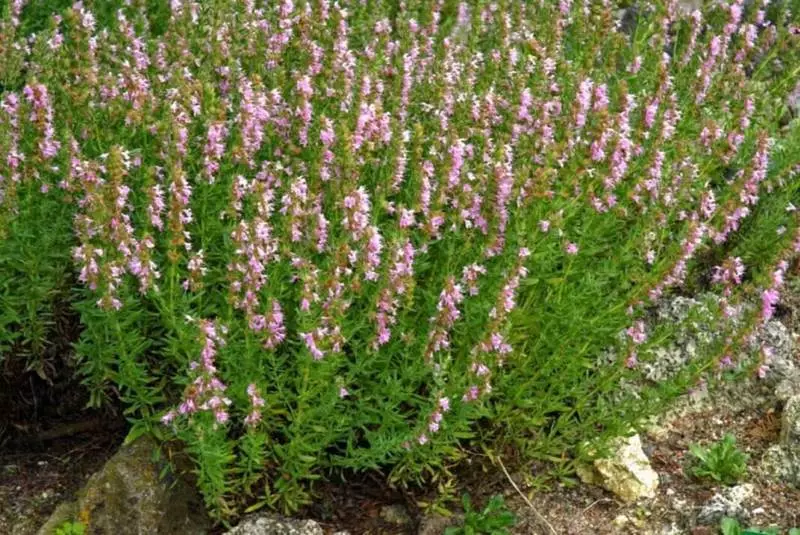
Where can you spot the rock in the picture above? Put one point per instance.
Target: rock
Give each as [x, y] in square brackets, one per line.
[626, 473]
[780, 361]
[65, 512]
[395, 514]
[793, 100]
[781, 464]
[127, 497]
[730, 501]
[620, 521]
[687, 7]
[623, 521]
[436, 524]
[270, 524]
[788, 387]
[790, 424]
[671, 529]
[627, 19]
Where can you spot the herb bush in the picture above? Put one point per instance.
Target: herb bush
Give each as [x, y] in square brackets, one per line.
[314, 237]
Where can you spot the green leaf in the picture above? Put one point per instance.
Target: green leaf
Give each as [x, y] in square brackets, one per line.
[730, 526]
[139, 429]
[256, 506]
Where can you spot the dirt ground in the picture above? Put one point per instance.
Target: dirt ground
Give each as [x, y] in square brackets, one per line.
[34, 482]
[680, 497]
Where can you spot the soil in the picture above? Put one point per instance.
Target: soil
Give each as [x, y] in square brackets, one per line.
[680, 497]
[33, 483]
[48, 459]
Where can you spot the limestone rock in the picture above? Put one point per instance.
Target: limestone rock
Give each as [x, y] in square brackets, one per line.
[788, 387]
[781, 362]
[793, 100]
[127, 497]
[270, 524]
[626, 473]
[437, 524]
[790, 424]
[729, 501]
[395, 514]
[687, 7]
[781, 464]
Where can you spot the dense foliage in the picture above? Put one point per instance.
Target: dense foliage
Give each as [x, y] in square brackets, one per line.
[307, 236]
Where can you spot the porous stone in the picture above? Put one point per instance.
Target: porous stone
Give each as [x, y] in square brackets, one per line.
[729, 501]
[437, 524]
[788, 387]
[793, 100]
[269, 524]
[780, 360]
[781, 464]
[127, 497]
[790, 424]
[697, 331]
[626, 472]
[395, 514]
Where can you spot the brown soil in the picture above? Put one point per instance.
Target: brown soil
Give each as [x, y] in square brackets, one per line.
[587, 510]
[34, 482]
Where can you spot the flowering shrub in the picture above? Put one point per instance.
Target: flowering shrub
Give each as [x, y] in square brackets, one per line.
[324, 236]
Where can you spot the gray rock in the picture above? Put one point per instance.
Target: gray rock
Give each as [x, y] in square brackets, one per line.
[269, 524]
[793, 100]
[788, 387]
[127, 497]
[781, 363]
[729, 501]
[687, 7]
[790, 424]
[436, 524]
[395, 514]
[697, 332]
[781, 464]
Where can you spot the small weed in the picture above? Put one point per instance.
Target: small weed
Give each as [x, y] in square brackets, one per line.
[731, 526]
[493, 520]
[71, 528]
[723, 461]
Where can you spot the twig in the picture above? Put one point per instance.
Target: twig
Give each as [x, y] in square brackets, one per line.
[601, 500]
[527, 501]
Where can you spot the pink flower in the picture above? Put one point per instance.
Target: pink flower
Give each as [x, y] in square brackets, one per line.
[762, 371]
[169, 417]
[769, 300]
[571, 248]
[471, 394]
[311, 344]
[470, 276]
[637, 332]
